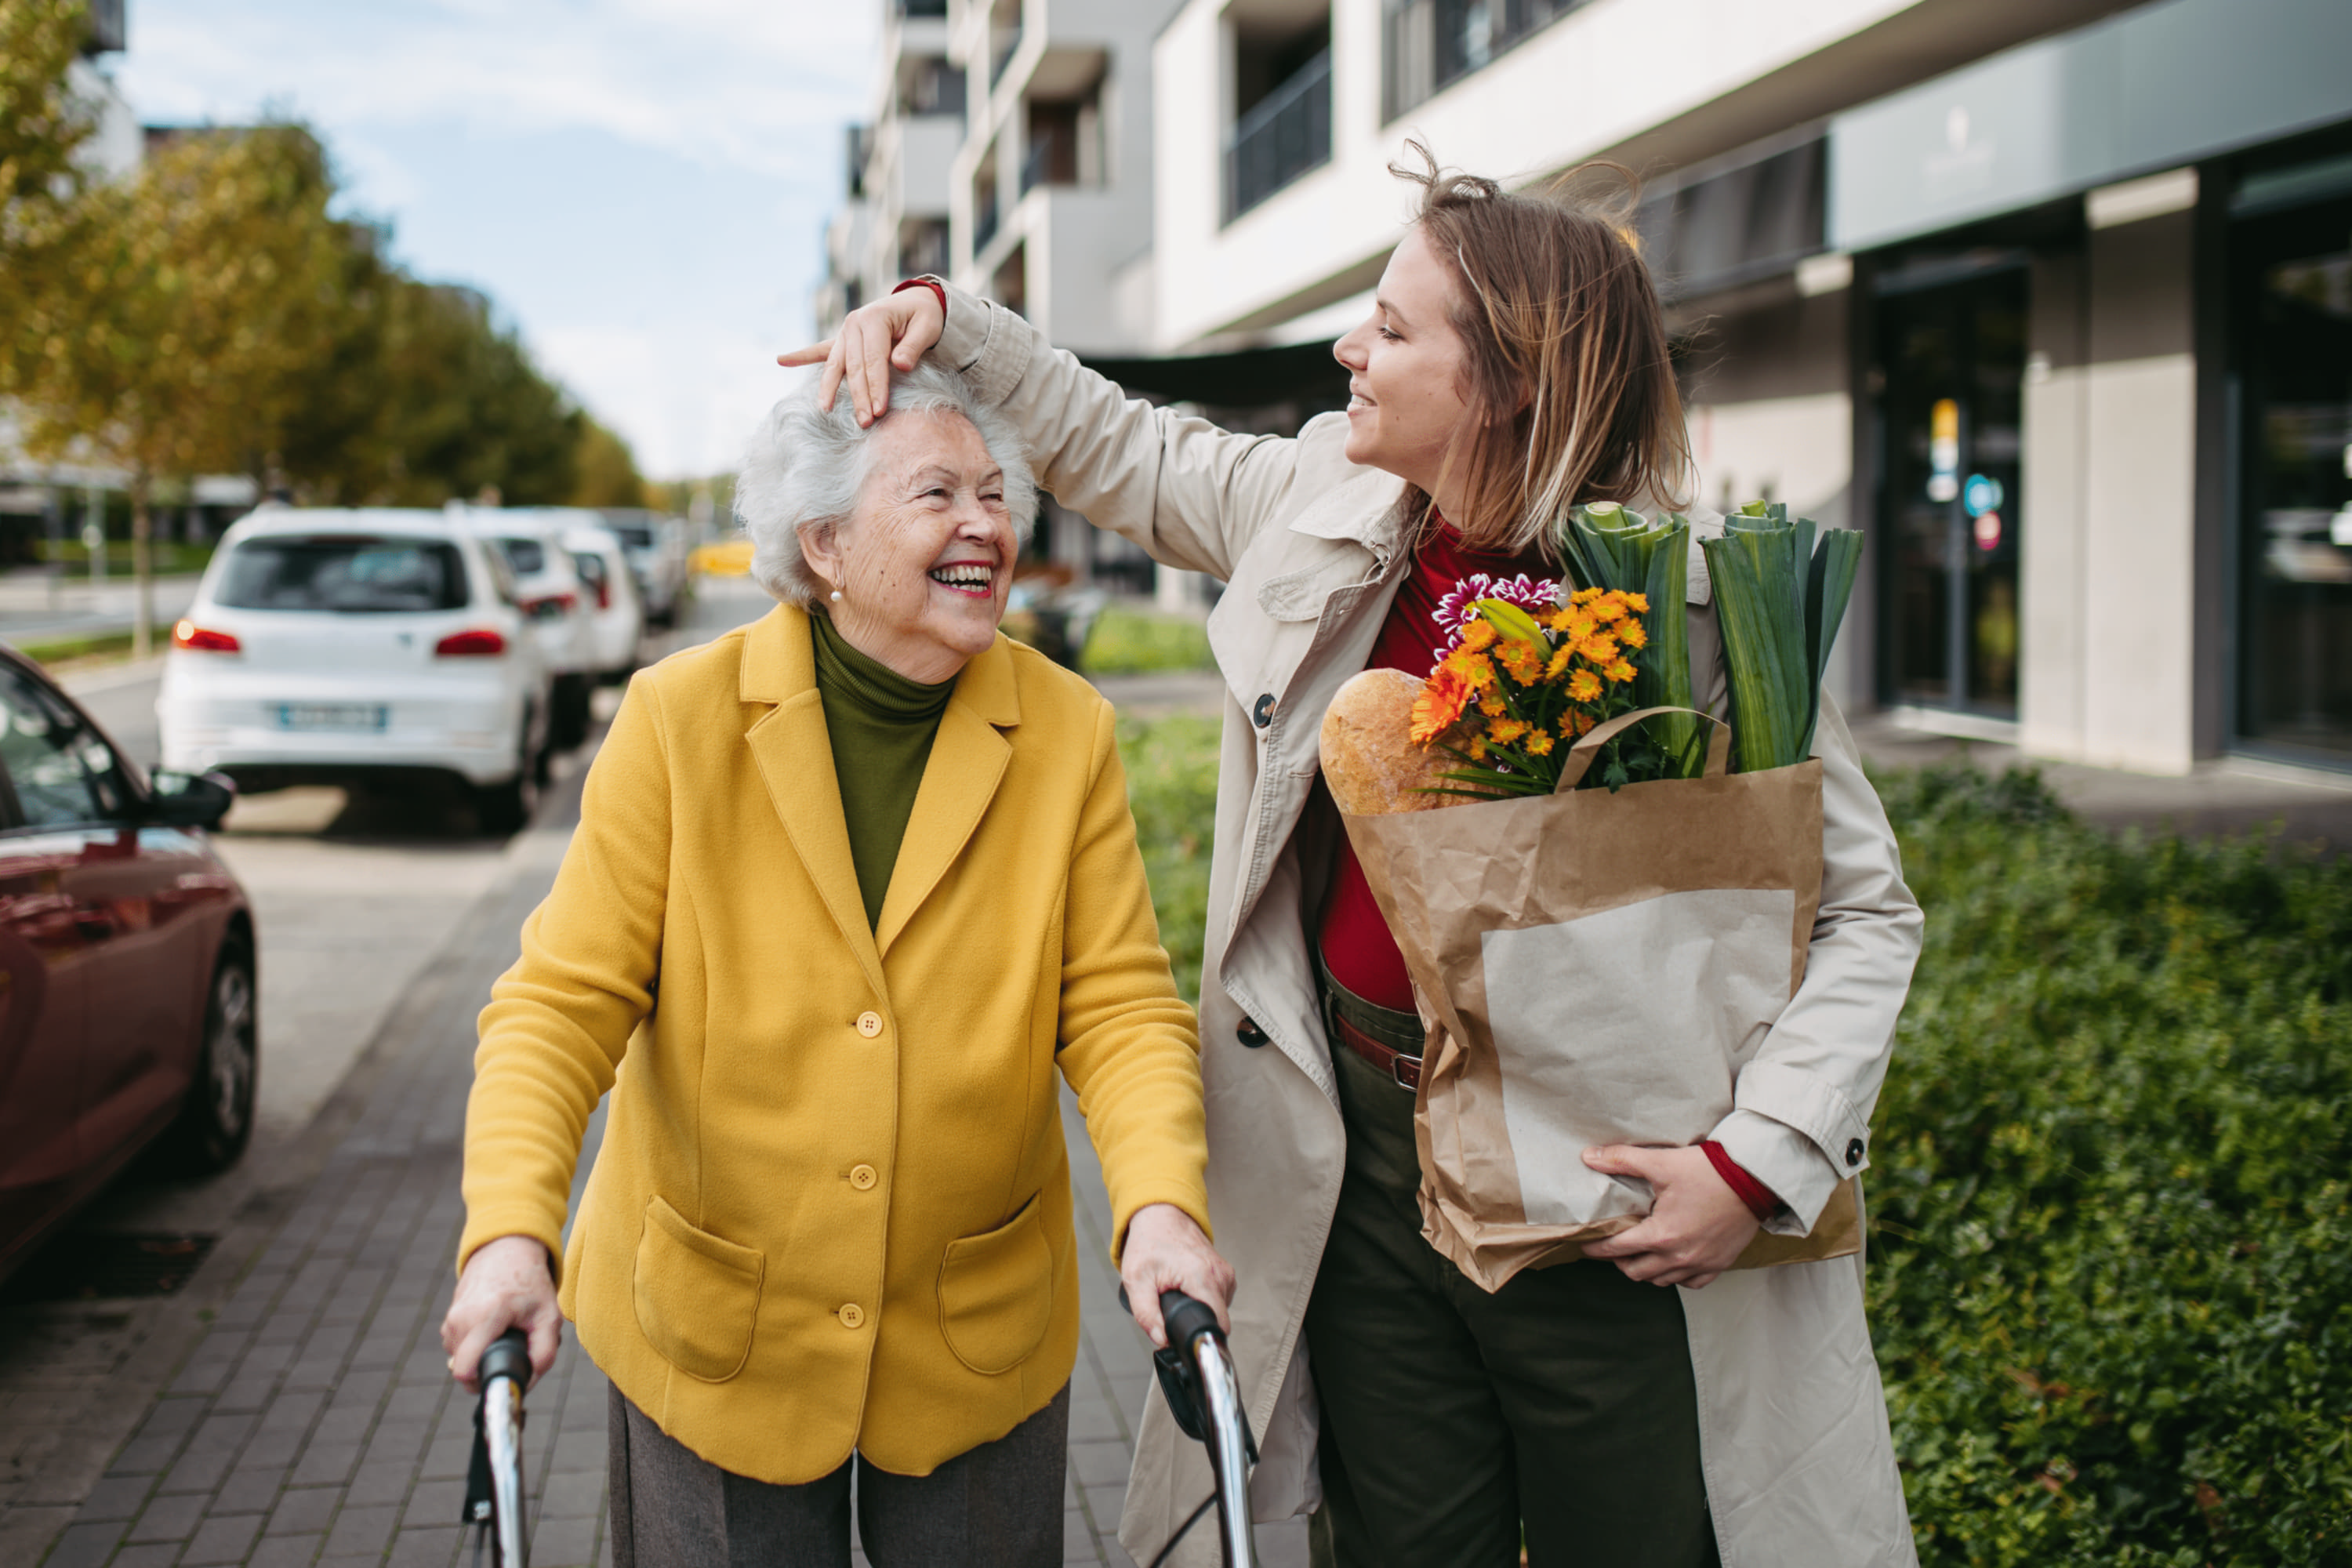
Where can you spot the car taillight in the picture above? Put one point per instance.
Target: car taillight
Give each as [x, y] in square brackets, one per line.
[603, 594]
[480, 644]
[195, 638]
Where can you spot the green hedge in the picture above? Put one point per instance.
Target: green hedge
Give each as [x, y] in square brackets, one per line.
[1125, 640]
[2111, 1272]
[2111, 1276]
[1171, 786]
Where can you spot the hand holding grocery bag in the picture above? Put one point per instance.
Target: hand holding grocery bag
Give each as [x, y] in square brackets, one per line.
[1606, 927]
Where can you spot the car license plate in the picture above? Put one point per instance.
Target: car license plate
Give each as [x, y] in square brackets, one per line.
[331, 715]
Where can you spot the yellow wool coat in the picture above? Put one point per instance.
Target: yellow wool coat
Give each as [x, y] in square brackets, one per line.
[832, 1211]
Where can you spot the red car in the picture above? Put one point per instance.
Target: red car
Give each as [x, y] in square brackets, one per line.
[126, 1002]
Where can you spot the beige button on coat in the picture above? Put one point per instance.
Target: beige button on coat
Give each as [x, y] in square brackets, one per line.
[1799, 1465]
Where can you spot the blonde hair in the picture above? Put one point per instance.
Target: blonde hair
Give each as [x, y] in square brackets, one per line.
[1564, 361]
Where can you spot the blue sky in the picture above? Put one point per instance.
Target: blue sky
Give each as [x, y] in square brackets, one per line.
[641, 185]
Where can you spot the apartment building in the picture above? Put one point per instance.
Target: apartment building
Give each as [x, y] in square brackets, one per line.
[1009, 150]
[2052, 300]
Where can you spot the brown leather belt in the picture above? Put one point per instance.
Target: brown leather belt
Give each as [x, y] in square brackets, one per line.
[1405, 1069]
[1374, 1032]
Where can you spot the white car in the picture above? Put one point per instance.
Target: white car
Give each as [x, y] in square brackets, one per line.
[337, 644]
[529, 540]
[614, 609]
[658, 548]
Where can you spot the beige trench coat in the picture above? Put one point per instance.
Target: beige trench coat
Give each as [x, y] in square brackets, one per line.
[1794, 1434]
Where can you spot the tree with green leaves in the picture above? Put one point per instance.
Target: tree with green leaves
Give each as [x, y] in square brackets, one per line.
[196, 303]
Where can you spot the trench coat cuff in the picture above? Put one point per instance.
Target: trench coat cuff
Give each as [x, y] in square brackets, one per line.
[488, 1224]
[977, 342]
[1193, 1199]
[1785, 1161]
[1813, 1105]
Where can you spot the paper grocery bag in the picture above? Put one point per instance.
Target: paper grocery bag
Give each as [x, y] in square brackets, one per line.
[1593, 968]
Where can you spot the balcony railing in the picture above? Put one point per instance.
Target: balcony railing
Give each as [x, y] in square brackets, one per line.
[1431, 44]
[984, 220]
[1283, 136]
[1004, 44]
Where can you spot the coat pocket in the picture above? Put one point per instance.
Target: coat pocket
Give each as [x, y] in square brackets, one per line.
[697, 1295]
[996, 1293]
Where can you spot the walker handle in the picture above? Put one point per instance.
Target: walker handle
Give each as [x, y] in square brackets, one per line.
[508, 1357]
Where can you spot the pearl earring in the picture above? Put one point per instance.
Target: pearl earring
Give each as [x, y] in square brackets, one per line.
[836, 596]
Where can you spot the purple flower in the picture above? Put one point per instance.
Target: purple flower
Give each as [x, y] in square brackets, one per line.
[1452, 611]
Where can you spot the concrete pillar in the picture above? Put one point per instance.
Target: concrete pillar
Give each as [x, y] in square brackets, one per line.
[2138, 538]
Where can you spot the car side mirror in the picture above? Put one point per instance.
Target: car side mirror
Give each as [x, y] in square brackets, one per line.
[191, 800]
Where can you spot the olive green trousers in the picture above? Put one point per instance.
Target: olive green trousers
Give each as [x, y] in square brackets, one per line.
[1563, 1404]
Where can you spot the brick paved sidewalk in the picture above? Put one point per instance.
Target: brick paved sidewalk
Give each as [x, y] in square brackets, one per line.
[314, 1421]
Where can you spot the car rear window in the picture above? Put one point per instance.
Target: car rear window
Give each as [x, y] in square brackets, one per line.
[346, 573]
[526, 556]
[635, 538]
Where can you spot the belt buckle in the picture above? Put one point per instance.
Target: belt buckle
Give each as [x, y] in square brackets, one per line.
[1406, 1070]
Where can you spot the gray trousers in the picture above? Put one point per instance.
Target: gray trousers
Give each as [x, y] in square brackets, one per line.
[996, 1506]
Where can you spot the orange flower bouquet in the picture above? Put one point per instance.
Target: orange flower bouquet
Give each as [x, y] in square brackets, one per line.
[1527, 674]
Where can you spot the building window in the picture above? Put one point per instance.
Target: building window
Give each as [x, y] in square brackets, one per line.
[1010, 283]
[1003, 37]
[856, 148]
[1065, 142]
[922, 7]
[1951, 349]
[2291, 286]
[923, 248]
[1431, 44]
[929, 85]
[1282, 109]
[985, 215]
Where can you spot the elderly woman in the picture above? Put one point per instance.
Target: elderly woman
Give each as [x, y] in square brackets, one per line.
[851, 886]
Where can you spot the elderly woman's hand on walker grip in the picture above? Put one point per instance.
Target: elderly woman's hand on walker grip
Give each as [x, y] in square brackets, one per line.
[1166, 1251]
[1697, 1226]
[893, 332]
[505, 1285]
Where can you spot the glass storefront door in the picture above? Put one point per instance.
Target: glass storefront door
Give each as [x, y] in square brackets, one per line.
[2292, 283]
[1953, 358]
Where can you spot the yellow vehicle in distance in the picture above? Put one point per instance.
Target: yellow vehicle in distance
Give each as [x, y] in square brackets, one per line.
[722, 558]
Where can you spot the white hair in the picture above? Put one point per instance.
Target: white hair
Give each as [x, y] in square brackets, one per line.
[807, 465]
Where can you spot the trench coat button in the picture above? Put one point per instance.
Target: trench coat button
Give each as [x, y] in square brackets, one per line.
[1263, 714]
[863, 1178]
[869, 1024]
[1249, 1034]
[1854, 1152]
[851, 1316]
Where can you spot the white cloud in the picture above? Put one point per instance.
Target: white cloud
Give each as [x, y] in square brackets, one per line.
[755, 93]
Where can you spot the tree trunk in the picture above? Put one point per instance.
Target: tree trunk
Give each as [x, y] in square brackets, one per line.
[143, 565]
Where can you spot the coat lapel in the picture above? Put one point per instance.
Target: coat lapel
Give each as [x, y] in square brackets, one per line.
[795, 756]
[968, 763]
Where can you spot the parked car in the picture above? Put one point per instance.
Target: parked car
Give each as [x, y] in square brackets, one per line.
[126, 965]
[615, 610]
[530, 541]
[337, 645]
[657, 547]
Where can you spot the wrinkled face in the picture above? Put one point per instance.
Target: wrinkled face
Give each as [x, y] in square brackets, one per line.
[1405, 368]
[924, 563]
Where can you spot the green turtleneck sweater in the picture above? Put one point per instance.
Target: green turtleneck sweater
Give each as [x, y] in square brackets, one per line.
[882, 726]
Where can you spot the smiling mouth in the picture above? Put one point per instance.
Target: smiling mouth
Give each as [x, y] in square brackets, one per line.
[973, 579]
[1358, 400]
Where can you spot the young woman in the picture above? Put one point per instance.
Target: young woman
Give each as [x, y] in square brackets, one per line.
[1514, 363]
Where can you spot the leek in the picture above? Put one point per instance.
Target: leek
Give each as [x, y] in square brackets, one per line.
[1781, 591]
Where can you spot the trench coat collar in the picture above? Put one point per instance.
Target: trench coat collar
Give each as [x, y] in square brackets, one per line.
[795, 756]
[1368, 509]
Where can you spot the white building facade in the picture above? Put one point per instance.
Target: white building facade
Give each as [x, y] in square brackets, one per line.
[2051, 298]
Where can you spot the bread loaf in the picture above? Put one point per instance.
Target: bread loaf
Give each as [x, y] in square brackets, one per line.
[1369, 761]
